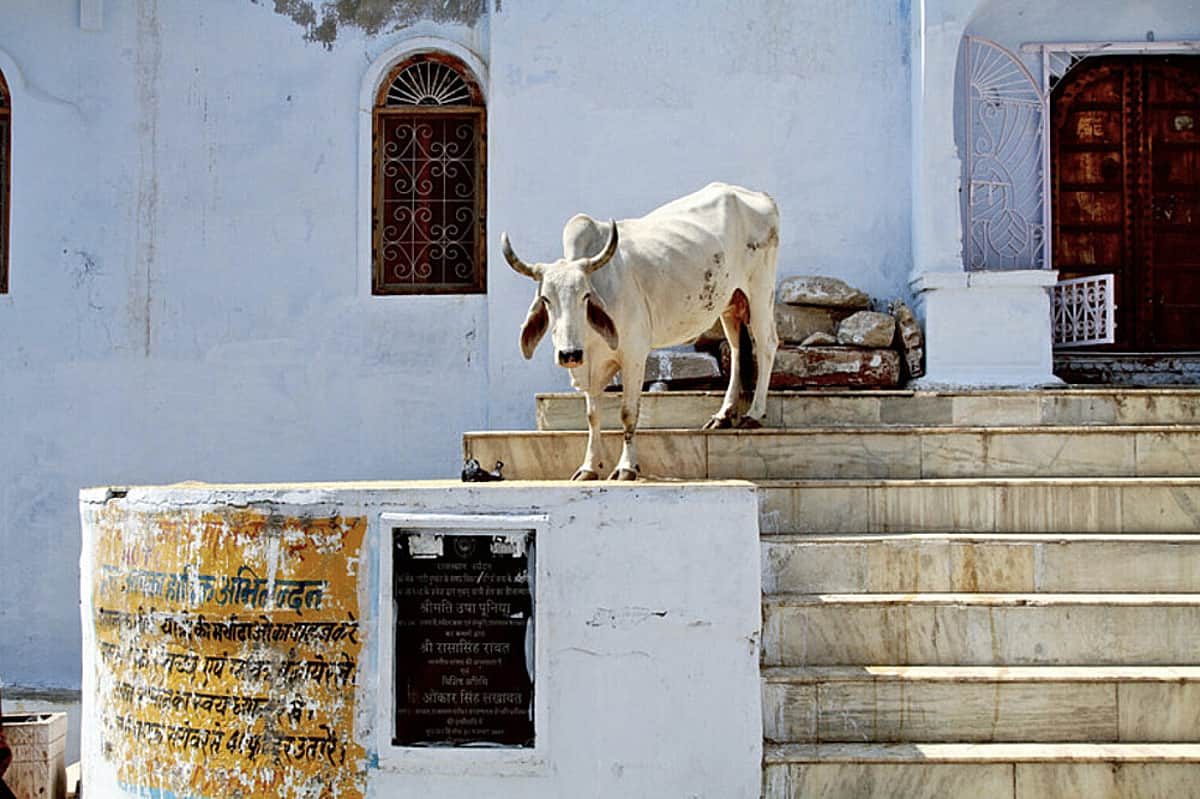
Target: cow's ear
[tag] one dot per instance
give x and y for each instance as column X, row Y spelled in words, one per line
column 534, row 328
column 599, row 319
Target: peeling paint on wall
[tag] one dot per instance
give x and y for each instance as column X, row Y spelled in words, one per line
column 322, row 20
column 227, row 648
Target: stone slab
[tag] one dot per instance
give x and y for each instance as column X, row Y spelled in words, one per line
column 1012, row 505
column 965, row 562
column 556, row 456
column 898, row 710
column 926, row 704
column 910, row 339
column 1107, row 780
column 983, row 408
column 921, row 778
column 678, row 366
column 887, row 781
column 826, row 292
column 795, row 323
column 797, row 367
column 867, row 329
column 832, row 454
column 981, row 629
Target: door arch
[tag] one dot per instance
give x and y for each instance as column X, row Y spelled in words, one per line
column 1125, row 182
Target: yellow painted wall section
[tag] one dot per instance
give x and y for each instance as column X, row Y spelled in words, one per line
column 228, row 652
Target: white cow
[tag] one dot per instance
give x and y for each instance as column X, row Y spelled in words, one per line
column 624, row 288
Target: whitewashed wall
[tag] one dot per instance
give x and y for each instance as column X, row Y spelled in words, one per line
column 614, row 108
column 186, row 296
column 648, row 630
column 185, row 299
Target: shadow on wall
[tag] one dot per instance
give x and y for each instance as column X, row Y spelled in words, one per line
column 323, row 19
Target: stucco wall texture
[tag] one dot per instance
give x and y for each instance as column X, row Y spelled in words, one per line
column 647, row 604
column 187, row 294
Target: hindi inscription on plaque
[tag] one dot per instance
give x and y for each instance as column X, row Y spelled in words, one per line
column 463, row 605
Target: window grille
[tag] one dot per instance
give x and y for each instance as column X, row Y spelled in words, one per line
column 1083, row 311
column 1004, row 225
column 429, row 177
column 5, row 172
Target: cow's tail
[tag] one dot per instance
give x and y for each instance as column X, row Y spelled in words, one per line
column 747, row 363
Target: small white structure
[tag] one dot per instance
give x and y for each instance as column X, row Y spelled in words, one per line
column 251, row 643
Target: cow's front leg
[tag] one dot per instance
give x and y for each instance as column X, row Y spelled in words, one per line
column 593, row 459
column 632, row 375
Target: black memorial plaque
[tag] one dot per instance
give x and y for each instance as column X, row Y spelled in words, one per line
column 464, row 615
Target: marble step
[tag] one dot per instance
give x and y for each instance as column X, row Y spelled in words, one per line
column 987, row 505
column 855, row 452
column 973, row 562
column 981, row 704
column 981, row 629
column 982, row 771
column 1068, row 406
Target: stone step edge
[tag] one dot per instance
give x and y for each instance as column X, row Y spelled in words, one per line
column 815, row 675
column 862, row 429
column 785, row 754
column 972, row 482
column 1015, row 600
column 801, row 539
column 1049, row 391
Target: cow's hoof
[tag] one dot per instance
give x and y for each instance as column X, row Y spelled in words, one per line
column 584, row 474
column 623, row 474
column 718, row 423
column 748, row 423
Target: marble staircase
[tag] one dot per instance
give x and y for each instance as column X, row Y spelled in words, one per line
column 978, row 594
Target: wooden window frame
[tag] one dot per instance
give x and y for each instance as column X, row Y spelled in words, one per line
column 5, row 180
column 381, row 111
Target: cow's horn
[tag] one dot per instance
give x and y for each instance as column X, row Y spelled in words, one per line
column 519, row 266
column 610, row 250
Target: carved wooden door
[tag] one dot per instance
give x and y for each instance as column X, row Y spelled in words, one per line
column 1125, row 155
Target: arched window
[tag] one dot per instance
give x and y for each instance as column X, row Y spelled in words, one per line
column 428, row 225
column 5, row 137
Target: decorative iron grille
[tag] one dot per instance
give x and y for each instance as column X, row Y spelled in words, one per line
column 428, row 82
column 1083, row 311
column 429, row 229
column 1005, row 225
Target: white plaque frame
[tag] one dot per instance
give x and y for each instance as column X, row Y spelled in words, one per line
column 473, row 761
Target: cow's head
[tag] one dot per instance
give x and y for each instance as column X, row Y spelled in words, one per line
column 565, row 300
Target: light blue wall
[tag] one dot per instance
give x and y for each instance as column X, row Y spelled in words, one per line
column 1011, row 23
column 186, row 296
column 185, row 301
column 615, row 108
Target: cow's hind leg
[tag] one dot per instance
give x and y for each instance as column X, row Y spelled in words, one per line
column 632, row 375
column 766, row 342
column 733, row 320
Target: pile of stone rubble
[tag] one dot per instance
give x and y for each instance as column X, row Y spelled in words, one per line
column 829, row 337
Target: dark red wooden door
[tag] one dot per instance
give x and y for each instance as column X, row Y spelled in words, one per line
column 1125, row 154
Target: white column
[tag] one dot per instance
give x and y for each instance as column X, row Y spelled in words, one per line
column 981, row 329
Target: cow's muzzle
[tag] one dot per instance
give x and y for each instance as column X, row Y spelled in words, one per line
column 570, row 358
